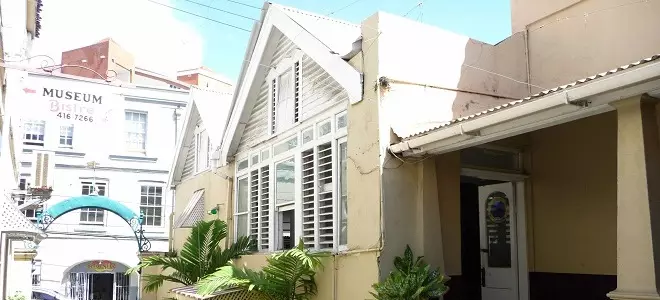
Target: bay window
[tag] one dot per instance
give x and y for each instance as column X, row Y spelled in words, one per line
column 306, row 198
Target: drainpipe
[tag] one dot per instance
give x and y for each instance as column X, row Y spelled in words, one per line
column 3, row 263
column 175, row 117
column 529, row 74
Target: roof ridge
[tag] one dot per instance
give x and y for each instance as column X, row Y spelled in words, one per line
column 212, row 91
column 315, row 15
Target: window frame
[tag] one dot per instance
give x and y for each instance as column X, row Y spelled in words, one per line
column 201, row 137
column 162, row 204
column 65, row 137
column 33, row 123
column 127, row 131
column 86, row 211
column 235, row 212
column 335, row 137
column 272, row 78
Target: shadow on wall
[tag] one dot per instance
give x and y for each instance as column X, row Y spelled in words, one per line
column 434, row 76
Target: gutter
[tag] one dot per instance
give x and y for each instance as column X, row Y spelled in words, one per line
column 570, row 96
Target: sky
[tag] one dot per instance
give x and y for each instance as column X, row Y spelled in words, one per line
column 165, row 37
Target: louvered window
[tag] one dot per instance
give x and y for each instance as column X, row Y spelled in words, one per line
column 295, row 189
column 286, row 90
column 259, row 206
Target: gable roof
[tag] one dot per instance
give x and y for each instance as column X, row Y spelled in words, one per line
column 325, row 40
column 13, row 220
column 213, row 109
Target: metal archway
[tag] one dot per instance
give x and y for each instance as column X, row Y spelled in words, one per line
column 91, row 201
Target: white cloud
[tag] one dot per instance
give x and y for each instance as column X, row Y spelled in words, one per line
column 158, row 40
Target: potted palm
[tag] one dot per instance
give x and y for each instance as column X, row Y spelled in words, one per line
column 200, row 256
column 289, row 275
column 412, row 279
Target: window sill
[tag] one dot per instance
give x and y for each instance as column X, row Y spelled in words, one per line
column 90, row 227
column 69, row 152
column 133, row 158
column 153, row 229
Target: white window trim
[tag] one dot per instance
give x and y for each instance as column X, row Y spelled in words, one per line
column 335, row 137
column 163, row 204
column 59, row 139
column 235, row 212
column 34, row 142
column 337, row 207
column 105, row 213
column 284, row 65
column 146, row 131
column 198, row 134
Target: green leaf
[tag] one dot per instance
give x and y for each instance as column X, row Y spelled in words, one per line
column 200, row 256
column 287, row 276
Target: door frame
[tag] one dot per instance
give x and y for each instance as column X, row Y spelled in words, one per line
column 518, row 180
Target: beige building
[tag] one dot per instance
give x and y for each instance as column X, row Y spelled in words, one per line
column 498, row 163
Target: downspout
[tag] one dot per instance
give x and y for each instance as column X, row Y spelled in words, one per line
column 171, row 239
column 176, row 116
column 5, row 261
column 529, row 74
column 230, row 209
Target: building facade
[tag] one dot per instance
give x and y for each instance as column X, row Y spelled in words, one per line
column 21, row 24
column 523, row 170
column 116, row 142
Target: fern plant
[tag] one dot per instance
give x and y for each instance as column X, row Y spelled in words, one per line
column 201, row 255
column 412, row 279
column 287, row 276
column 17, row 296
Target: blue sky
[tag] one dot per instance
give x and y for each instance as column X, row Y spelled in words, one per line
column 224, row 46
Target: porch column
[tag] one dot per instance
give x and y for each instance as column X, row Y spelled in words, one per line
column 19, row 275
column 638, row 200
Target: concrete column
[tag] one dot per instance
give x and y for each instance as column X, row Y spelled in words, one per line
column 638, row 200
column 20, row 271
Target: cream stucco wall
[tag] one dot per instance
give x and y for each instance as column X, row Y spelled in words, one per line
column 573, row 203
column 217, row 189
column 570, row 198
column 567, row 41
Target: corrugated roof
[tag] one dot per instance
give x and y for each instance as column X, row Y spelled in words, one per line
column 337, row 35
column 536, row 96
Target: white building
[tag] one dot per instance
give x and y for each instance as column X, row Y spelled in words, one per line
column 20, row 25
column 130, row 133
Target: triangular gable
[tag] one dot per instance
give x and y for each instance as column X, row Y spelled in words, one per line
column 213, row 109
column 314, row 40
column 13, row 220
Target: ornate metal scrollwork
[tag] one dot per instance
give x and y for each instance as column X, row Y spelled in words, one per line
column 143, row 242
column 48, row 65
column 44, row 220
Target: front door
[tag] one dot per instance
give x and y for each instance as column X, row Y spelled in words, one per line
column 499, row 280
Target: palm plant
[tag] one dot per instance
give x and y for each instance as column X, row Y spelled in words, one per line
column 287, row 276
column 200, row 256
column 412, row 279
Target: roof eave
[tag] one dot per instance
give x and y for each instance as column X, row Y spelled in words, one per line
column 179, row 157
column 549, row 110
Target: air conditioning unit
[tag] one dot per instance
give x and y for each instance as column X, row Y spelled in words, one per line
column 43, row 167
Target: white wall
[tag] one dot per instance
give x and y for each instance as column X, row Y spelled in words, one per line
column 70, row 243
